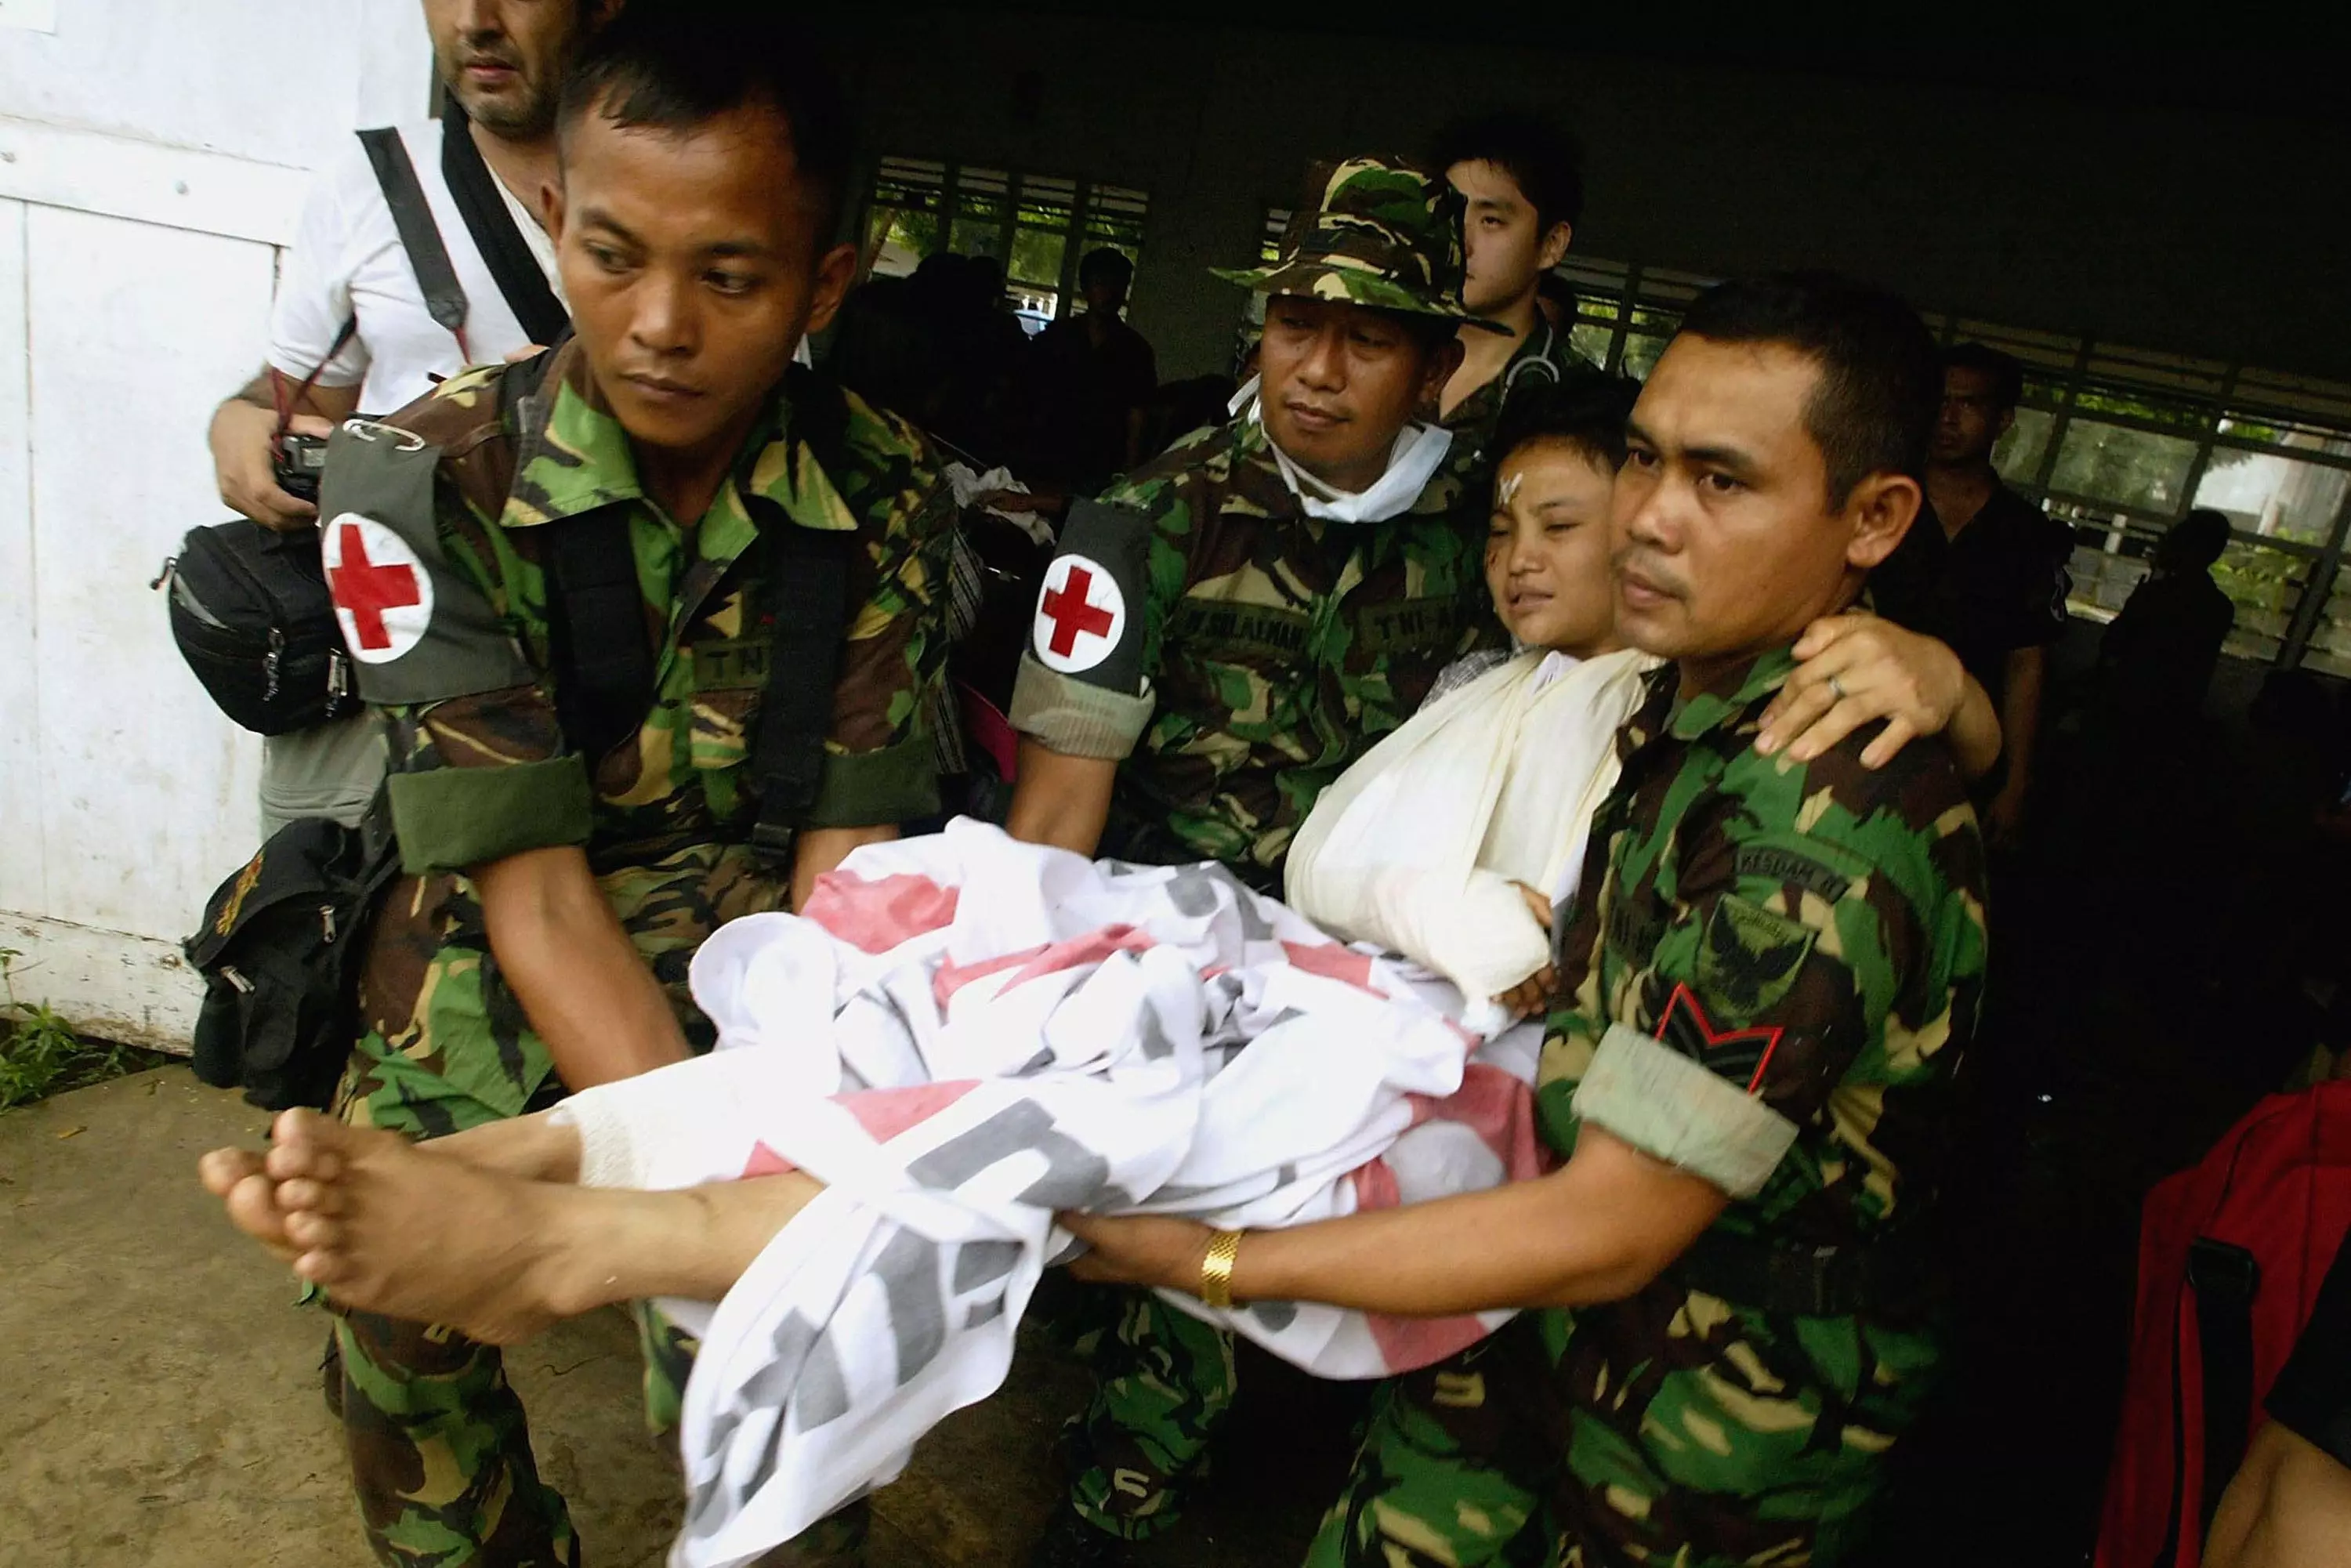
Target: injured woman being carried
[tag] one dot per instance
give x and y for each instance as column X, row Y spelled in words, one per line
column 963, row 1036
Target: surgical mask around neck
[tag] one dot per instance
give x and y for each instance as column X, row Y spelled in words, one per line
column 1419, row 451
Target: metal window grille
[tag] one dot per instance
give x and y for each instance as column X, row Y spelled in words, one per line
column 2119, row 442
column 1037, row 227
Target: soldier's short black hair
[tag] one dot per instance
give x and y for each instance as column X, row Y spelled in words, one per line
column 1584, row 408
column 1881, row 385
column 1542, row 157
column 2006, row 373
column 673, row 66
column 1104, row 262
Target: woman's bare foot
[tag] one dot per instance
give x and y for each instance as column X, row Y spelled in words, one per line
column 236, row 1177
column 384, row 1226
column 534, row 1147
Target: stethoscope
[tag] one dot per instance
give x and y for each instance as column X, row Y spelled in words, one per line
column 1539, row 363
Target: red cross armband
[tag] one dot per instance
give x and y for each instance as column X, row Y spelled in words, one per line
column 1089, row 624
column 417, row 632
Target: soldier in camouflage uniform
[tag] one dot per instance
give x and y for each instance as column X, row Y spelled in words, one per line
column 1748, row 1075
column 708, row 258
column 1222, row 634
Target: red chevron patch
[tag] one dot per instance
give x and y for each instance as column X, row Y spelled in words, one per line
column 1688, row 1029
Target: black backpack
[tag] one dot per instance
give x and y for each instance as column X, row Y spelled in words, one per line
column 277, row 951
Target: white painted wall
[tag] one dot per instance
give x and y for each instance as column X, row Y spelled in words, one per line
column 153, row 155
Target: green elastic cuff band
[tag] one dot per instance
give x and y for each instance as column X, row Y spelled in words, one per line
column 1064, row 714
column 452, row 818
column 1667, row 1105
column 870, row 788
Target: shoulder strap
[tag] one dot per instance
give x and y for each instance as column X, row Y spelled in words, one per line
column 808, row 583
column 595, row 608
column 445, row 297
column 491, row 222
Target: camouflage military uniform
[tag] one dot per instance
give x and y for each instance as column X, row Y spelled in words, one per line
column 1236, row 656
column 1772, row 989
column 439, row 1448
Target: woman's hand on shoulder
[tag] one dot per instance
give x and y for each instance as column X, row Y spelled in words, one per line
column 1855, row 669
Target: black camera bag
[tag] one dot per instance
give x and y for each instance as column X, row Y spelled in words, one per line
column 279, row 950
column 251, row 613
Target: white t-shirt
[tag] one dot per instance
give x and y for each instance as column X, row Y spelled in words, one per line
column 347, row 256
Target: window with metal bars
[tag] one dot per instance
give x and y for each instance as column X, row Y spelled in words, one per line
column 2119, row 444
column 1037, row 227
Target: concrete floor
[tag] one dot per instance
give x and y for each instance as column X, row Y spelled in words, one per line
column 159, row 1400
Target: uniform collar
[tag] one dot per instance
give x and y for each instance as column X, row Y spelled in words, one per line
column 574, row 457
column 1693, row 717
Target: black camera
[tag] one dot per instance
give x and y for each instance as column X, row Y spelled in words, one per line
column 300, row 460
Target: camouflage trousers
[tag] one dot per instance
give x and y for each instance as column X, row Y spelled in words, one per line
column 1668, row 1429
column 1163, row 1380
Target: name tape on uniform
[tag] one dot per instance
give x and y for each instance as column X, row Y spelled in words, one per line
column 1081, row 615
column 383, row 595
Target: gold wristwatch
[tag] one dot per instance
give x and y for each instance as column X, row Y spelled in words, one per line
column 1216, row 1269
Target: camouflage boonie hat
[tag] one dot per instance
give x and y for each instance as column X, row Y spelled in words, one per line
column 1372, row 231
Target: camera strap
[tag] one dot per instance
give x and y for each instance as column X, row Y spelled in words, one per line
column 495, row 234
column 428, row 258
column 287, row 406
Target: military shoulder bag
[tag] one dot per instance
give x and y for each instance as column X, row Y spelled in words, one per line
column 279, row 952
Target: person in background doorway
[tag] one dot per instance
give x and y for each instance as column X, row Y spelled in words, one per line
column 1522, row 179
column 1998, row 595
column 501, row 63
column 1091, row 379
column 2157, row 658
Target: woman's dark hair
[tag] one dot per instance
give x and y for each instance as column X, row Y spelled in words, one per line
column 673, row 67
column 1585, row 410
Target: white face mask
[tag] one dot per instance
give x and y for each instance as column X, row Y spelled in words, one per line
column 1418, row 452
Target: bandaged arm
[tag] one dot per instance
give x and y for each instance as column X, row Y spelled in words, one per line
column 1475, row 931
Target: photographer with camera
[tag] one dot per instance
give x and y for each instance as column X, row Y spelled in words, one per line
column 421, row 250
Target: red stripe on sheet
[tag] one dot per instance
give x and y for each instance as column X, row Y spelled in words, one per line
column 764, row 1161
column 1501, row 1111
column 1375, row 1186
column 886, row 1113
column 1409, row 1343
column 1079, row 952
column 1334, row 962
column 875, row 917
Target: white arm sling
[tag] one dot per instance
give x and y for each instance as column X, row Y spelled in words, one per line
column 1416, row 847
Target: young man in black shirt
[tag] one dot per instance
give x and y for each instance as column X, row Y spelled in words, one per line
column 1991, row 581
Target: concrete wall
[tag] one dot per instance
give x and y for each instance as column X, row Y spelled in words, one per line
column 152, row 158
column 2220, row 235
